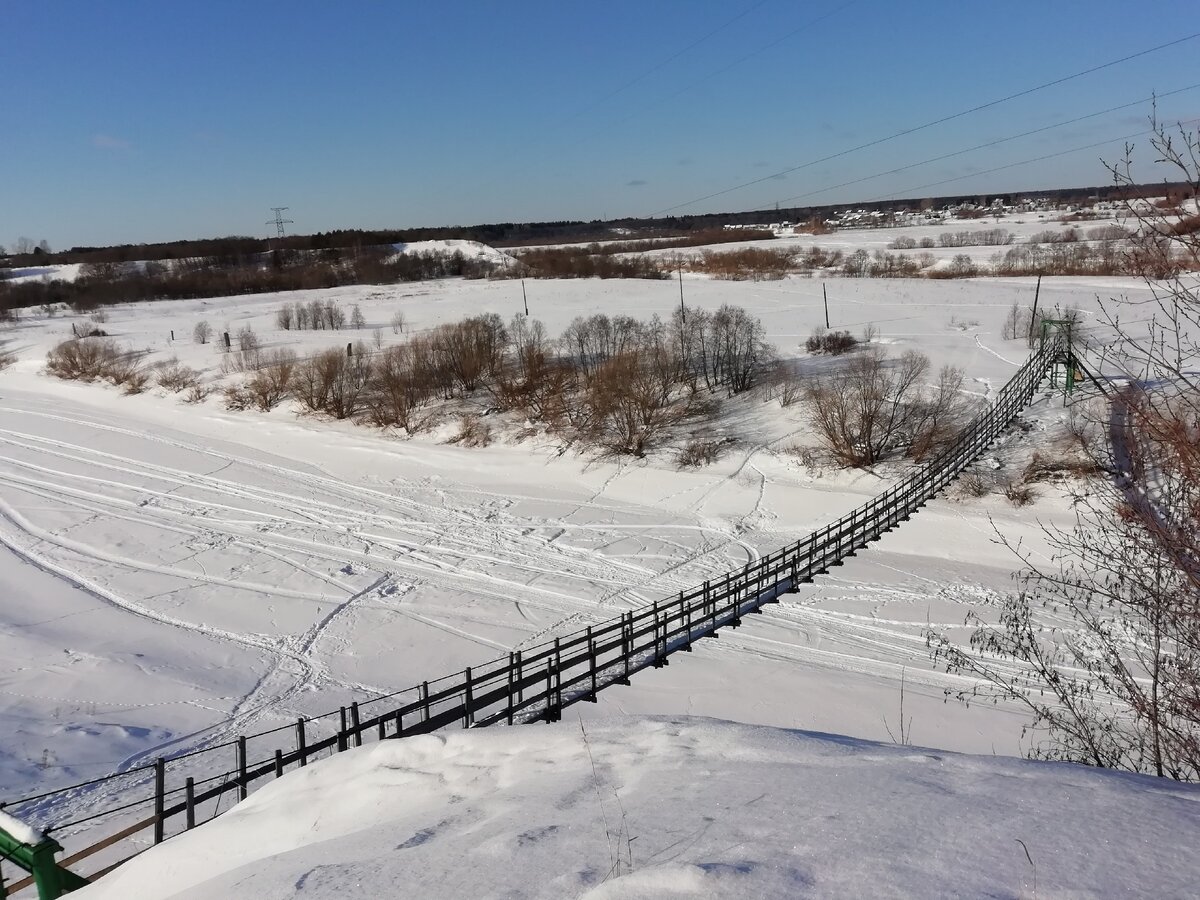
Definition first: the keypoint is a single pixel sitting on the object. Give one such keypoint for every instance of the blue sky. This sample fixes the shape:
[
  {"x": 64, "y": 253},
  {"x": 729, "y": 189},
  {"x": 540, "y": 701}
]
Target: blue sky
[{"x": 139, "y": 121}]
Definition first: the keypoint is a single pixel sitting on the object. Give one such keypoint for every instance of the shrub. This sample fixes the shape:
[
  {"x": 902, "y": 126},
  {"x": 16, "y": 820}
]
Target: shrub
[
  {"x": 1019, "y": 494},
  {"x": 333, "y": 382},
  {"x": 747, "y": 264},
  {"x": 903, "y": 242},
  {"x": 698, "y": 453},
  {"x": 472, "y": 432},
  {"x": 84, "y": 359},
  {"x": 236, "y": 397},
  {"x": 7, "y": 358},
  {"x": 973, "y": 484},
  {"x": 175, "y": 377},
  {"x": 271, "y": 384},
  {"x": 197, "y": 393},
  {"x": 834, "y": 343},
  {"x": 202, "y": 332}
]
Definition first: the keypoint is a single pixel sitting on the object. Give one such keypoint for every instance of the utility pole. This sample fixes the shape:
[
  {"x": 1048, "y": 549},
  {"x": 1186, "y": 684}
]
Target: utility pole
[
  {"x": 1033, "y": 316},
  {"x": 525, "y": 297},
  {"x": 279, "y": 221},
  {"x": 682, "y": 308},
  {"x": 825, "y": 294}
]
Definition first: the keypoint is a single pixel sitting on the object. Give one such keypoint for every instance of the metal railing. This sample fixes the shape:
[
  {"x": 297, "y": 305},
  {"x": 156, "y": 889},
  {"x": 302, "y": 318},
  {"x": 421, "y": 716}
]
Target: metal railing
[{"x": 174, "y": 795}]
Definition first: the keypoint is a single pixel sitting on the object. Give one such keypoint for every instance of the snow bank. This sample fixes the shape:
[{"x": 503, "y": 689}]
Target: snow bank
[
  {"x": 26, "y": 834},
  {"x": 681, "y": 807}
]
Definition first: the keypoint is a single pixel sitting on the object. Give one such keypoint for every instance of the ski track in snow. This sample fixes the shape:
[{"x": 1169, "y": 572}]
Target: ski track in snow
[{"x": 331, "y": 534}]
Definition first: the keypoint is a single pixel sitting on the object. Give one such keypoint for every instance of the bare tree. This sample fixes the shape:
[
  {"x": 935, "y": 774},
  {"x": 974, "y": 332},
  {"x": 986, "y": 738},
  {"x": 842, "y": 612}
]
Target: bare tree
[
  {"x": 876, "y": 406},
  {"x": 202, "y": 332},
  {"x": 1120, "y": 686}
]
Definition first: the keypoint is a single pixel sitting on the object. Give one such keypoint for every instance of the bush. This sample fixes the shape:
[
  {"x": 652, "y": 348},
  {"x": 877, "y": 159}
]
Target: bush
[
  {"x": 7, "y": 358},
  {"x": 747, "y": 264},
  {"x": 472, "y": 433},
  {"x": 903, "y": 242},
  {"x": 1019, "y": 494},
  {"x": 698, "y": 453},
  {"x": 334, "y": 383},
  {"x": 973, "y": 484},
  {"x": 202, "y": 332},
  {"x": 175, "y": 377},
  {"x": 271, "y": 384},
  {"x": 197, "y": 393},
  {"x": 834, "y": 343},
  {"x": 84, "y": 359}
]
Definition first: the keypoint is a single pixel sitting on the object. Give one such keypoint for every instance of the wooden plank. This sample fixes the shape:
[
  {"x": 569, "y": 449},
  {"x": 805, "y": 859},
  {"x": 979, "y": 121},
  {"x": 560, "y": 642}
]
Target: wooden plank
[{"x": 109, "y": 841}]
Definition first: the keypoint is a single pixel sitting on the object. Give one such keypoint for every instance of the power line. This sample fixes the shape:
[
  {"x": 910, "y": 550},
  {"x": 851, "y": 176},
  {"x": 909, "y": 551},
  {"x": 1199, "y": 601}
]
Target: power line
[
  {"x": 931, "y": 124},
  {"x": 737, "y": 62},
  {"x": 988, "y": 144},
  {"x": 1024, "y": 162},
  {"x": 670, "y": 59}
]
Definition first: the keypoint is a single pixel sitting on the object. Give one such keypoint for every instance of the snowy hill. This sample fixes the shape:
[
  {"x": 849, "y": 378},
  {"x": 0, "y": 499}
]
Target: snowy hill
[
  {"x": 469, "y": 249},
  {"x": 680, "y": 807}
]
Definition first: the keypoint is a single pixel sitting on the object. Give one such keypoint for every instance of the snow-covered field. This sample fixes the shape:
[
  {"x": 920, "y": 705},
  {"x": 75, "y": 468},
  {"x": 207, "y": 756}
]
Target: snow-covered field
[
  {"x": 178, "y": 574},
  {"x": 680, "y": 807},
  {"x": 172, "y": 575}
]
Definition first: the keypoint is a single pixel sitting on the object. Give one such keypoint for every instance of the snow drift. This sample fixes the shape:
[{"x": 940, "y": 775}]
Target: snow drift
[{"x": 675, "y": 807}]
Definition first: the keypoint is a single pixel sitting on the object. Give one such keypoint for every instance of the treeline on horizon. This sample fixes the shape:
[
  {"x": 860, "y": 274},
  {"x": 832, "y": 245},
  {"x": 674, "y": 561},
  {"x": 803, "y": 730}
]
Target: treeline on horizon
[{"x": 232, "y": 250}]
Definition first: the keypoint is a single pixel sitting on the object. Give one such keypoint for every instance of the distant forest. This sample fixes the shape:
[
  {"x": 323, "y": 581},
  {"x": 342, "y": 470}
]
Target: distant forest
[{"x": 514, "y": 234}]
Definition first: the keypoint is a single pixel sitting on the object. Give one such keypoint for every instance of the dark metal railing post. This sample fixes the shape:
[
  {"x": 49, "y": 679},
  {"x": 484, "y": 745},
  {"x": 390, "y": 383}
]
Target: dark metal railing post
[
  {"x": 687, "y": 621},
  {"x": 558, "y": 704},
  {"x": 424, "y": 701},
  {"x": 591, "y": 642},
  {"x": 468, "y": 714},
  {"x": 301, "y": 743},
  {"x": 160, "y": 798},
  {"x": 626, "y": 640},
  {"x": 278, "y": 763},
  {"x": 243, "y": 790},
  {"x": 354, "y": 722},
  {"x": 511, "y": 673},
  {"x": 189, "y": 803},
  {"x": 520, "y": 680}
]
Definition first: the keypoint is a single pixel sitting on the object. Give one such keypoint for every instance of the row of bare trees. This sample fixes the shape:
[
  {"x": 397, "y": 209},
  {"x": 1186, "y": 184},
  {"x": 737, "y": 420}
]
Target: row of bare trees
[{"x": 615, "y": 381}]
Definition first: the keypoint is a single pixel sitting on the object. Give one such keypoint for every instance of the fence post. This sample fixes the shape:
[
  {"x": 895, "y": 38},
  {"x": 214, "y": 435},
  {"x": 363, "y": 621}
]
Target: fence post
[
  {"x": 510, "y": 687},
  {"x": 658, "y": 657},
  {"x": 520, "y": 685},
  {"x": 549, "y": 691},
  {"x": 468, "y": 716},
  {"x": 354, "y": 720},
  {"x": 558, "y": 678},
  {"x": 626, "y": 642},
  {"x": 341, "y": 735},
  {"x": 424, "y": 701},
  {"x": 241, "y": 762},
  {"x": 687, "y": 620},
  {"x": 160, "y": 797},
  {"x": 189, "y": 803},
  {"x": 592, "y": 661},
  {"x": 301, "y": 743},
  {"x": 278, "y": 763}
]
